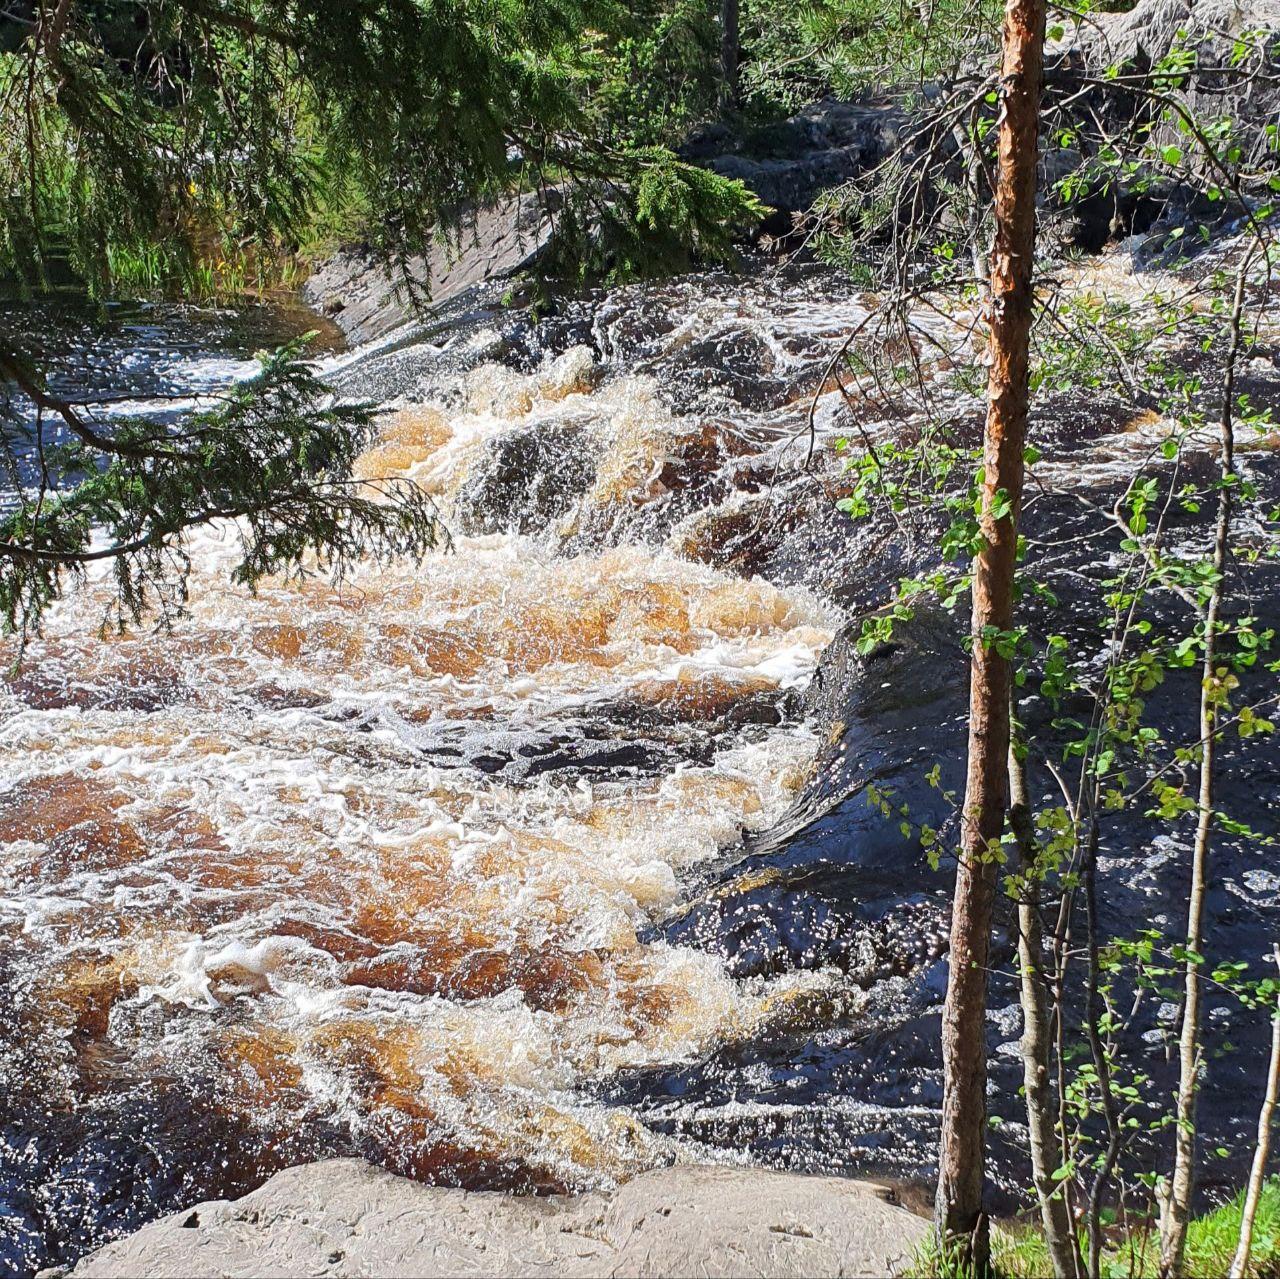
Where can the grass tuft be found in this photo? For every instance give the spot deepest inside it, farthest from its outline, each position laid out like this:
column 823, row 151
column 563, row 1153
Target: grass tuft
column 1020, row 1253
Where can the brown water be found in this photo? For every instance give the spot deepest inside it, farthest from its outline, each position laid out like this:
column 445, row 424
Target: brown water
column 340, row 860
column 436, row 865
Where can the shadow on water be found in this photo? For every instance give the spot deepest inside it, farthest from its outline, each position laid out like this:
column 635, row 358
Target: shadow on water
column 136, row 357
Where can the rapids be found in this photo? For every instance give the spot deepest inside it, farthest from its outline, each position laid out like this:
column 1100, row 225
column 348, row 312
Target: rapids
column 549, row 858
column 375, row 866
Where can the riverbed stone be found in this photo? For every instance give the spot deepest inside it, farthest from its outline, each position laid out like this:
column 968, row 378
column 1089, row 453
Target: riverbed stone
column 346, row 1217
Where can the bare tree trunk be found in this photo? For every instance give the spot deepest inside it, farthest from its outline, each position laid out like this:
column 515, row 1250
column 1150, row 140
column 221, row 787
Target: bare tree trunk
column 1258, row 1170
column 1046, row 1154
column 960, row 1220
column 1098, row 1050
column 50, row 33
column 1177, row 1203
column 968, row 145
column 729, row 51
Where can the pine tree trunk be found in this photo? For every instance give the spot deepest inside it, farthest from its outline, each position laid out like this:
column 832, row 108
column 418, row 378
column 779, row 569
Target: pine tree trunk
column 1046, row 1154
column 960, row 1220
column 729, row 50
column 1177, row 1204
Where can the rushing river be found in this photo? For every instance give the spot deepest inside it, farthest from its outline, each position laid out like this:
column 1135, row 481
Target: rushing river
column 548, row 858
column 375, row 866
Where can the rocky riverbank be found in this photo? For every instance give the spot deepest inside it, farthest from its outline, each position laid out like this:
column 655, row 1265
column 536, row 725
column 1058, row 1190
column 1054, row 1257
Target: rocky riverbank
column 345, row 1217
column 792, row 164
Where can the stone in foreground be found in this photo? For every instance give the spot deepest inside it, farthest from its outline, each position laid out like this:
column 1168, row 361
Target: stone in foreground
column 345, row 1217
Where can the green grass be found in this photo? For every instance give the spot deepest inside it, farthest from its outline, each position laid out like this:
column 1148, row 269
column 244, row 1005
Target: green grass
column 1212, row 1239
column 1211, row 1245
column 157, row 271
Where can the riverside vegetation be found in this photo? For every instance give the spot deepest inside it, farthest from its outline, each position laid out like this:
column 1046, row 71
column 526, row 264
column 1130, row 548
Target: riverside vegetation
column 1006, row 424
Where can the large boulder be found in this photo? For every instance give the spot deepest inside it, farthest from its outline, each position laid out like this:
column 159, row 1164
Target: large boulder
column 368, row 298
column 1149, row 30
column 345, row 1217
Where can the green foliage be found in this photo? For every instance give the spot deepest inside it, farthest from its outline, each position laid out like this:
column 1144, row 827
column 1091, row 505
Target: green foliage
column 670, row 215
column 272, row 456
column 169, row 133
column 800, row 50
column 659, row 76
column 1020, row 1253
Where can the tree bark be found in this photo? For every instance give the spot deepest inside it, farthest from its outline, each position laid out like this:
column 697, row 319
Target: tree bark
column 1097, row 1048
column 960, row 1220
column 729, row 51
column 1258, row 1170
column 1176, row 1211
column 51, row 34
column 1046, row 1153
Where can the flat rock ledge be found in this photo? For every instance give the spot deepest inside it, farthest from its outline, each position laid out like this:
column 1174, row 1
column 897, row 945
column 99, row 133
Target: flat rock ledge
column 345, row 1217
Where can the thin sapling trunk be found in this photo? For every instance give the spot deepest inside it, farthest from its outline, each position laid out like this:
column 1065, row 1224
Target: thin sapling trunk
column 960, row 1219
column 1042, row 1114
column 1258, row 1170
column 1177, row 1201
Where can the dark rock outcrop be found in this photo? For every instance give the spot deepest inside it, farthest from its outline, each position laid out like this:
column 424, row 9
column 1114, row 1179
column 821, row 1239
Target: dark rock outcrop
column 789, row 164
column 1217, row 87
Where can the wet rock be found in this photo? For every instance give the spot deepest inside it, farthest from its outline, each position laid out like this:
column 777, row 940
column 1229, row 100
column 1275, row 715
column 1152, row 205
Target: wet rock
column 744, row 539
column 1264, row 885
column 104, row 1174
column 115, row 684
column 835, row 862
column 1006, row 1021
column 669, row 478
column 786, row 527
column 593, row 748
column 276, row 698
column 846, row 1094
column 526, row 479
column 841, row 882
column 1068, row 424
column 344, row 1217
column 22, row 1247
column 837, row 883
column 737, row 366
column 697, row 456
column 719, row 704
column 767, row 924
